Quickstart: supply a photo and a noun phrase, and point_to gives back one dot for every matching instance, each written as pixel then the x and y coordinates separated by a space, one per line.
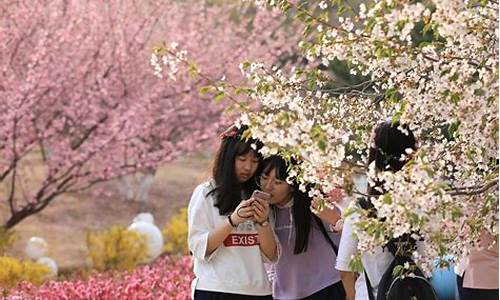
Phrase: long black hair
pixel 228 190
pixel 301 212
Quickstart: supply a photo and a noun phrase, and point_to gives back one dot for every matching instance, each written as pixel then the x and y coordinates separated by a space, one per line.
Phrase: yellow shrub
pixel 13 271
pixel 7 238
pixel 116 249
pixel 175 234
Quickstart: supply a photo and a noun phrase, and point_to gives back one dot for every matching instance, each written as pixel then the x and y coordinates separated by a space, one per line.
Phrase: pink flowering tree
pixel 80 105
pixel 247 32
pixel 430 64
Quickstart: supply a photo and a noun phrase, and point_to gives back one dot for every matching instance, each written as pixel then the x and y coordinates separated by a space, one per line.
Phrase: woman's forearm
pixel 217 237
pixel 348 280
pixel 267 242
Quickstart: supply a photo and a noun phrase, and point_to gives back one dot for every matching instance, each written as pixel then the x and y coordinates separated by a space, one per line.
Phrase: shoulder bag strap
pixel 325 234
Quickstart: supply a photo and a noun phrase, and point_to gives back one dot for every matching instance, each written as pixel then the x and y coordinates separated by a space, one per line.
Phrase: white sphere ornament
pixel 51 264
pixel 154 238
pixel 144 217
pixel 36 248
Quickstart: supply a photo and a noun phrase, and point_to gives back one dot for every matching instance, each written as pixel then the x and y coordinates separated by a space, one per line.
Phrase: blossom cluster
pixel 168 58
pixel 432 65
pixel 169 278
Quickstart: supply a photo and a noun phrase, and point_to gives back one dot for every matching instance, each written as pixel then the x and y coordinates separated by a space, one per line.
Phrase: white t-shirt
pixel 374 264
pixel 237 266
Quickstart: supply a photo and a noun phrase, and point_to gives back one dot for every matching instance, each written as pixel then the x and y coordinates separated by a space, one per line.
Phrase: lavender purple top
pixel 297 276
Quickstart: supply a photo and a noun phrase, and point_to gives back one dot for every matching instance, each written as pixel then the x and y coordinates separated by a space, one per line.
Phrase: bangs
pixel 277 163
pixel 243 148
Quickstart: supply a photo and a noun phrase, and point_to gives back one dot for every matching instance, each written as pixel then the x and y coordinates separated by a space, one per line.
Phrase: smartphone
pixel 261 195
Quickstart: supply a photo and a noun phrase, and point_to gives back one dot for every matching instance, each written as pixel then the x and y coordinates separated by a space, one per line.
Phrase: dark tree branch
pixel 474 190
pixel 14 173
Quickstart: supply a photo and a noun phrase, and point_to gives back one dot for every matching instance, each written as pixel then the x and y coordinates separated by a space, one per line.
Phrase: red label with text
pixel 242 240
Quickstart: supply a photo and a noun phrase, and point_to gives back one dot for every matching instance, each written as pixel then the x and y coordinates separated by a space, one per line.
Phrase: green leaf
pixel 453 129
pixel 391 95
pixel 322 145
pixel 219 96
pixel 159 49
pixel 397 271
pixel 370 24
pixel 301 16
pixel 193 70
pixel 455 98
pixel 283 118
pixel 400 24
pixel 428 171
pixel 387 199
pixel 427 28
pixel 490 100
pixel 355 264
pixel 307 29
pixel 245 65
pixel 343 9
pixel 381 50
pixel 246 135
pixel 206 89
pixel 479 92
pixel 443 185
pixel 400 112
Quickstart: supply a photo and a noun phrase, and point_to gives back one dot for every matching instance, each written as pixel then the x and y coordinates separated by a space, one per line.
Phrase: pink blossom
pixel 167 278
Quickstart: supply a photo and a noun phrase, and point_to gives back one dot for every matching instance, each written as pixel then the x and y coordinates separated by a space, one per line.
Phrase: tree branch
pixel 14 173
pixel 474 190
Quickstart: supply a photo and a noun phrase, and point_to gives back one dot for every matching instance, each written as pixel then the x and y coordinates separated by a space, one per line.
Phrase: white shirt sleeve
pixel 347 247
pixel 200 223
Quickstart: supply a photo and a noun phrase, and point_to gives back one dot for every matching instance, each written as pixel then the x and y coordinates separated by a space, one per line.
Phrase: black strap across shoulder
pixel 327 237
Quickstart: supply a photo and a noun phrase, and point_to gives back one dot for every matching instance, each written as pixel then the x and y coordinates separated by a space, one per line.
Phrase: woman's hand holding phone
pixel 256 209
pixel 260 205
pixel 244 212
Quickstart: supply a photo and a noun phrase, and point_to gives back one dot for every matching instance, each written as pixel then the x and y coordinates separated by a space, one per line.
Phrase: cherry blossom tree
pixel 80 105
pixel 240 33
pixel 430 64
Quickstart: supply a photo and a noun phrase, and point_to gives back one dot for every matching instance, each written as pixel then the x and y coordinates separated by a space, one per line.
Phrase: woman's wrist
pixel 236 219
pixel 231 221
pixel 264 223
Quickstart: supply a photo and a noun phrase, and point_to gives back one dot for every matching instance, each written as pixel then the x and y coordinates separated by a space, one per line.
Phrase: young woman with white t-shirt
pixel 387 145
pixel 230 237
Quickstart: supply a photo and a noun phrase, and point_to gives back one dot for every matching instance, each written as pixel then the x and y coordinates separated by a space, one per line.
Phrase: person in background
pixel 388 144
pixel 477 273
pixel 336 201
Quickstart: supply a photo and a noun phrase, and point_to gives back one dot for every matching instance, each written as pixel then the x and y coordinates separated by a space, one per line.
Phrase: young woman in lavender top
pixel 306 266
